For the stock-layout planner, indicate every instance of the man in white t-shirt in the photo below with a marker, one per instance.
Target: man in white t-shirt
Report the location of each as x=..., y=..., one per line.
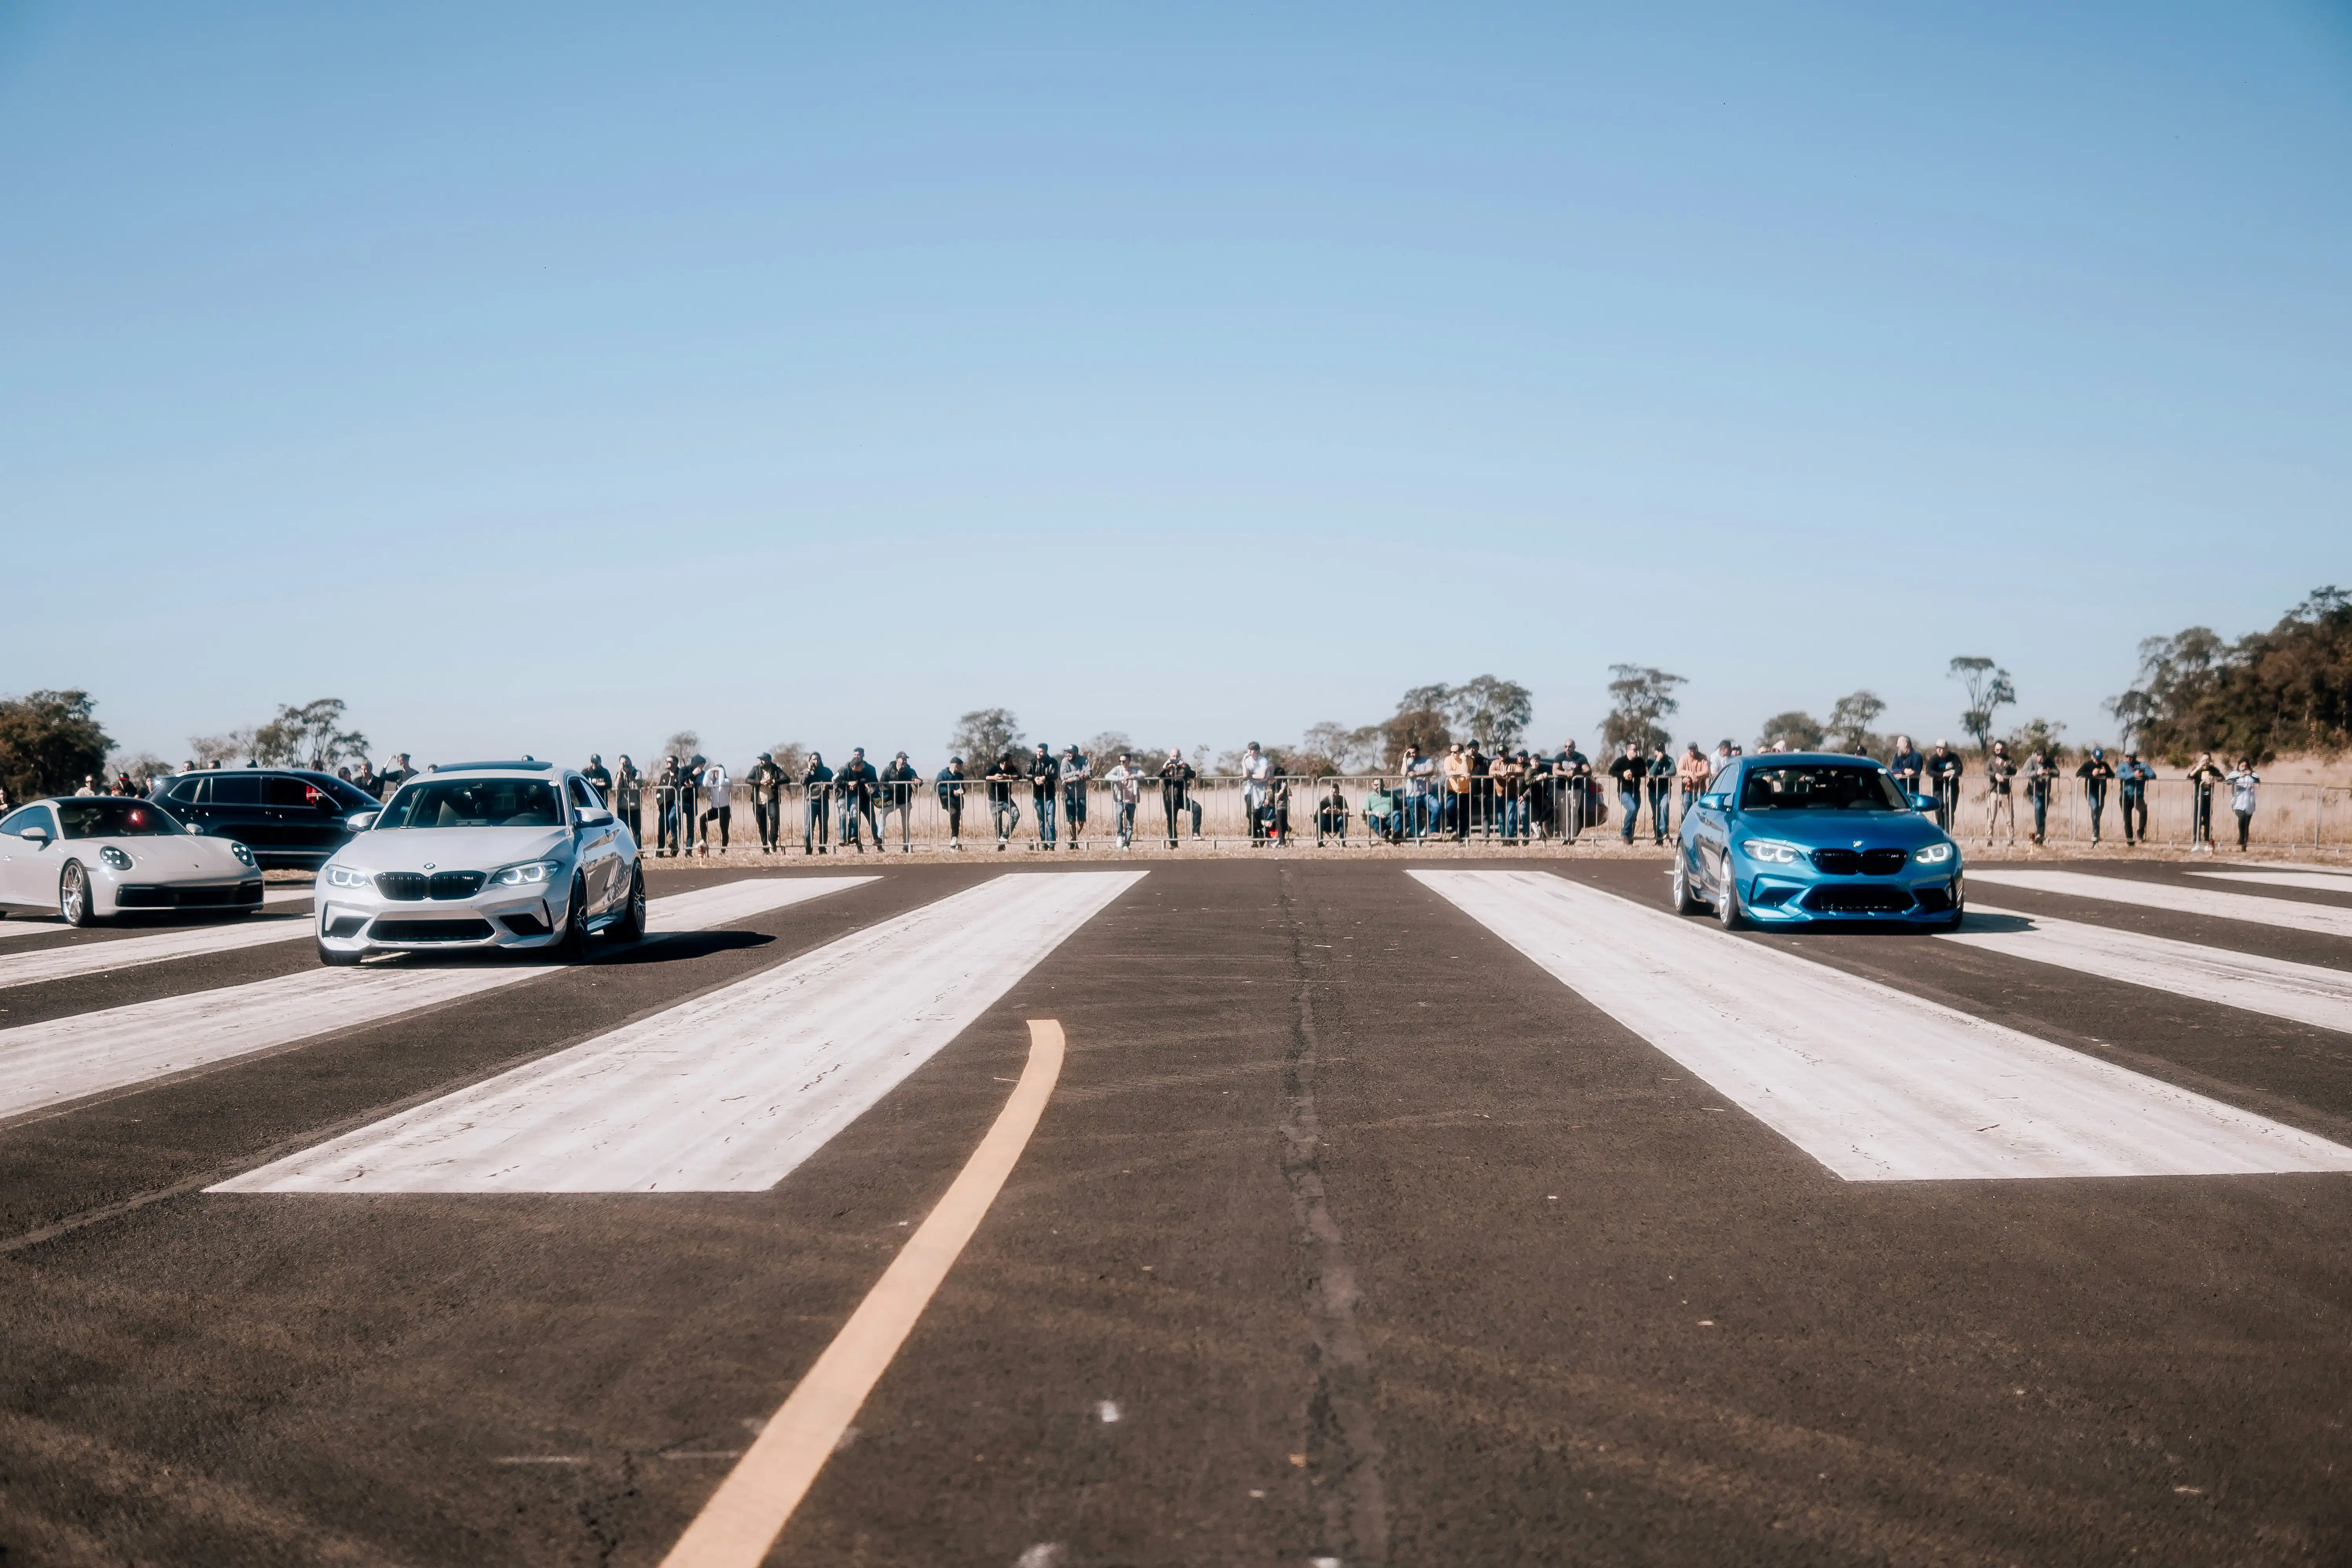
x=1126, y=783
x=718, y=802
x=1257, y=786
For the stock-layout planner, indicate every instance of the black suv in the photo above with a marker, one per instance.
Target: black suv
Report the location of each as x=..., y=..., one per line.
x=286, y=816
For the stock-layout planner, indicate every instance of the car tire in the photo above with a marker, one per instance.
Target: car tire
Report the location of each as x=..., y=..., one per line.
x=329, y=956
x=572, y=947
x=631, y=926
x=1727, y=904
x=77, y=905
x=1679, y=895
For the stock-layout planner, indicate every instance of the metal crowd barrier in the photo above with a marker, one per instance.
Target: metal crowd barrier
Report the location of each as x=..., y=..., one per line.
x=1216, y=811
x=2173, y=814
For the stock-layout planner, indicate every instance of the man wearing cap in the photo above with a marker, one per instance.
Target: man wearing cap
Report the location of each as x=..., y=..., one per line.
x=766, y=782
x=1176, y=777
x=718, y=801
x=1002, y=809
x=628, y=792
x=1045, y=783
x=854, y=787
x=1942, y=772
x=2095, y=773
x=898, y=782
x=1257, y=785
x=1124, y=781
x=2132, y=781
x=951, y=788
x=665, y=808
x=1076, y=770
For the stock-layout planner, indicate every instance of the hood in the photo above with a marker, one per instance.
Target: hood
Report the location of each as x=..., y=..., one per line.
x=451, y=848
x=170, y=854
x=1843, y=829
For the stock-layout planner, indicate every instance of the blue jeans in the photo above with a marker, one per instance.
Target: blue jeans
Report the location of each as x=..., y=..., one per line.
x=1660, y=794
x=1126, y=822
x=1630, y=802
x=1045, y=819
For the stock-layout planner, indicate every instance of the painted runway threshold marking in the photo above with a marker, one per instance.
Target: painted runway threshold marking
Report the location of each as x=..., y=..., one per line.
x=132, y=952
x=730, y=1091
x=2303, y=993
x=2251, y=907
x=1875, y=1083
x=2310, y=881
x=63, y=1059
x=752, y=1505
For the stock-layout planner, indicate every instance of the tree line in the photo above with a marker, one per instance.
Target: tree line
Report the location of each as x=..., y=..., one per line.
x=2288, y=689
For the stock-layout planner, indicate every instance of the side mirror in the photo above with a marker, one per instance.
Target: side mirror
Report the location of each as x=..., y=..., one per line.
x=595, y=816
x=194, y=826
x=39, y=836
x=1925, y=803
x=361, y=821
x=1717, y=802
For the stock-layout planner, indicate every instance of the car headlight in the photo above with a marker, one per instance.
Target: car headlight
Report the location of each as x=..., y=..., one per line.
x=244, y=855
x=115, y=857
x=530, y=874
x=1771, y=851
x=1935, y=854
x=347, y=877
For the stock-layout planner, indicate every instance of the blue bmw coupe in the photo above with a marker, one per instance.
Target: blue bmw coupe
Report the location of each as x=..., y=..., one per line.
x=1787, y=838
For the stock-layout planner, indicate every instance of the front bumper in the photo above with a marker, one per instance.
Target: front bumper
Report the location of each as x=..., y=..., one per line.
x=135, y=891
x=359, y=920
x=1921, y=896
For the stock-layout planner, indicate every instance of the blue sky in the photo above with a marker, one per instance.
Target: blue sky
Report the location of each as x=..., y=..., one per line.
x=555, y=378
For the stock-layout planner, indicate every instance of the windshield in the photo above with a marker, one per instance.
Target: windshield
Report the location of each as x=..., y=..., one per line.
x=114, y=816
x=474, y=802
x=1819, y=786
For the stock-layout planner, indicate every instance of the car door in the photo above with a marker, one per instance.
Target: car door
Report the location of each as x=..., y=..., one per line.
x=185, y=797
x=13, y=849
x=1711, y=835
x=28, y=866
x=600, y=844
x=235, y=810
x=305, y=814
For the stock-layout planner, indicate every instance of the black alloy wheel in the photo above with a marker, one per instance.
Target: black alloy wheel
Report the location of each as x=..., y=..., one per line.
x=572, y=947
x=631, y=926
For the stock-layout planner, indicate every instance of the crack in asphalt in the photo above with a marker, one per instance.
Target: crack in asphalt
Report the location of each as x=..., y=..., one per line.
x=1343, y=1440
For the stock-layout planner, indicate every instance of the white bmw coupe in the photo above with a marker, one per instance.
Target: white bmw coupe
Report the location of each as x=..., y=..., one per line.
x=510, y=854
x=89, y=857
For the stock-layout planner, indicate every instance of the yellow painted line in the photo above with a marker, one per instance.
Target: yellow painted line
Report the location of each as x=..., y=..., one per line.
x=750, y=1508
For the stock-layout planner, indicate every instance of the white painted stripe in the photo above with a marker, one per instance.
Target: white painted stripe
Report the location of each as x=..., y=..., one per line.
x=21, y=924
x=2313, y=881
x=752, y=1505
x=2171, y=897
x=107, y=954
x=1875, y=1083
x=2304, y=993
x=62, y=1059
x=730, y=1091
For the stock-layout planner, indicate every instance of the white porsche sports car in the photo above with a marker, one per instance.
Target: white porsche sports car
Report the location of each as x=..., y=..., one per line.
x=513, y=854
x=91, y=857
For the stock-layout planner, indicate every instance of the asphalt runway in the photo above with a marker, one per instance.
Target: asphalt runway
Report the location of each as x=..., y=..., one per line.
x=1377, y=1212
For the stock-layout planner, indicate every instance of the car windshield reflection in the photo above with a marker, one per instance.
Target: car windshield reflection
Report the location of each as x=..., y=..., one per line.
x=474, y=802
x=114, y=816
x=1818, y=787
